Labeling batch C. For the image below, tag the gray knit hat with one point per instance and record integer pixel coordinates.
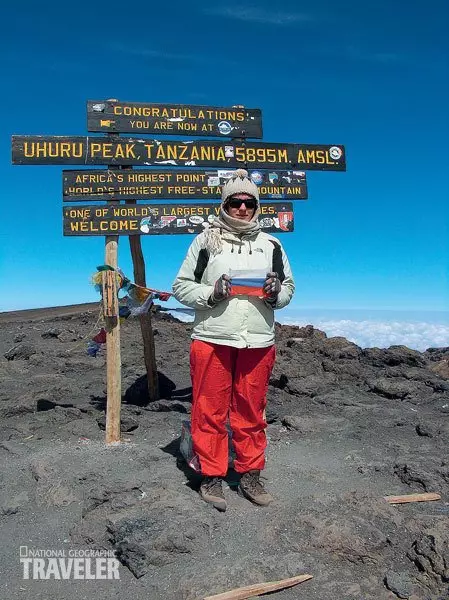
(239, 183)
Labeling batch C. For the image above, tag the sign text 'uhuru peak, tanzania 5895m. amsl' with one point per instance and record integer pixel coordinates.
(217, 153)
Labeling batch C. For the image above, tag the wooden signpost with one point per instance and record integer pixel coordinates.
(187, 184)
(88, 150)
(157, 219)
(277, 168)
(113, 353)
(136, 117)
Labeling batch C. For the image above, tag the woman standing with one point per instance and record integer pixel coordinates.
(232, 351)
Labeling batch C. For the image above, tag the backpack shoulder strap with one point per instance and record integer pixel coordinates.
(201, 264)
(277, 262)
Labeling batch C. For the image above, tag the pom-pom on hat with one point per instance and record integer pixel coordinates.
(239, 183)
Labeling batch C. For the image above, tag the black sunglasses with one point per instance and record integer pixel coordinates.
(236, 203)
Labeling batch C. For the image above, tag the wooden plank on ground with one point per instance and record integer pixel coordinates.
(427, 497)
(257, 589)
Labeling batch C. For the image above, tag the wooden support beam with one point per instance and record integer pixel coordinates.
(113, 353)
(110, 300)
(146, 327)
(113, 359)
(427, 497)
(250, 591)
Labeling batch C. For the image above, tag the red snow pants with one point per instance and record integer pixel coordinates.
(229, 383)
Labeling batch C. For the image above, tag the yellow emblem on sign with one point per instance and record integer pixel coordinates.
(106, 123)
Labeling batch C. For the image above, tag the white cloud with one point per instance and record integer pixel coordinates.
(367, 333)
(382, 334)
(259, 15)
(182, 314)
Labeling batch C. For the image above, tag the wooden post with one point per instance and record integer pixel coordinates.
(109, 294)
(113, 358)
(146, 328)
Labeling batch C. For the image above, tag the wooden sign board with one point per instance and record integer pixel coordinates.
(137, 117)
(157, 219)
(143, 184)
(56, 150)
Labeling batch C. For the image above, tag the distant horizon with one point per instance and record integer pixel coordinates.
(289, 308)
(416, 329)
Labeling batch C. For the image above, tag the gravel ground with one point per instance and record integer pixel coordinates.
(347, 426)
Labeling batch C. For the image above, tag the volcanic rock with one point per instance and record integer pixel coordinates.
(346, 427)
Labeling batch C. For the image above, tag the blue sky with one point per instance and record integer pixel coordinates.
(371, 76)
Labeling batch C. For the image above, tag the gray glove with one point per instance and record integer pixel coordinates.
(222, 289)
(271, 287)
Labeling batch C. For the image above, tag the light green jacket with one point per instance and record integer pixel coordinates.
(239, 321)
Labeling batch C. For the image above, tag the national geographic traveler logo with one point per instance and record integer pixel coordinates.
(51, 563)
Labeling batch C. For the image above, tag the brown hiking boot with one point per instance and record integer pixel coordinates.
(252, 488)
(212, 492)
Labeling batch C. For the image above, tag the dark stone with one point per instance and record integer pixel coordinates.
(398, 583)
(311, 385)
(11, 447)
(20, 352)
(44, 404)
(411, 476)
(309, 332)
(275, 433)
(271, 415)
(168, 405)
(68, 336)
(292, 422)
(155, 540)
(391, 388)
(441, 368)
(13, 505)
(280, 383)
(294, 362)
(19, 337)
(342, 396)
(428, 377)
(437, 354)
(68, 413)
(345, 369)
(24, 404)
(424, 430)
(294, 342)
(430, 553)
(339, 348)
(395, 355)
(277, 396)
(51, 333)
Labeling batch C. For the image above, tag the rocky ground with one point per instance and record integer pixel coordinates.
(347, 426)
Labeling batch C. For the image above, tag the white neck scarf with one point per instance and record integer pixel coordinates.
(213, 234)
